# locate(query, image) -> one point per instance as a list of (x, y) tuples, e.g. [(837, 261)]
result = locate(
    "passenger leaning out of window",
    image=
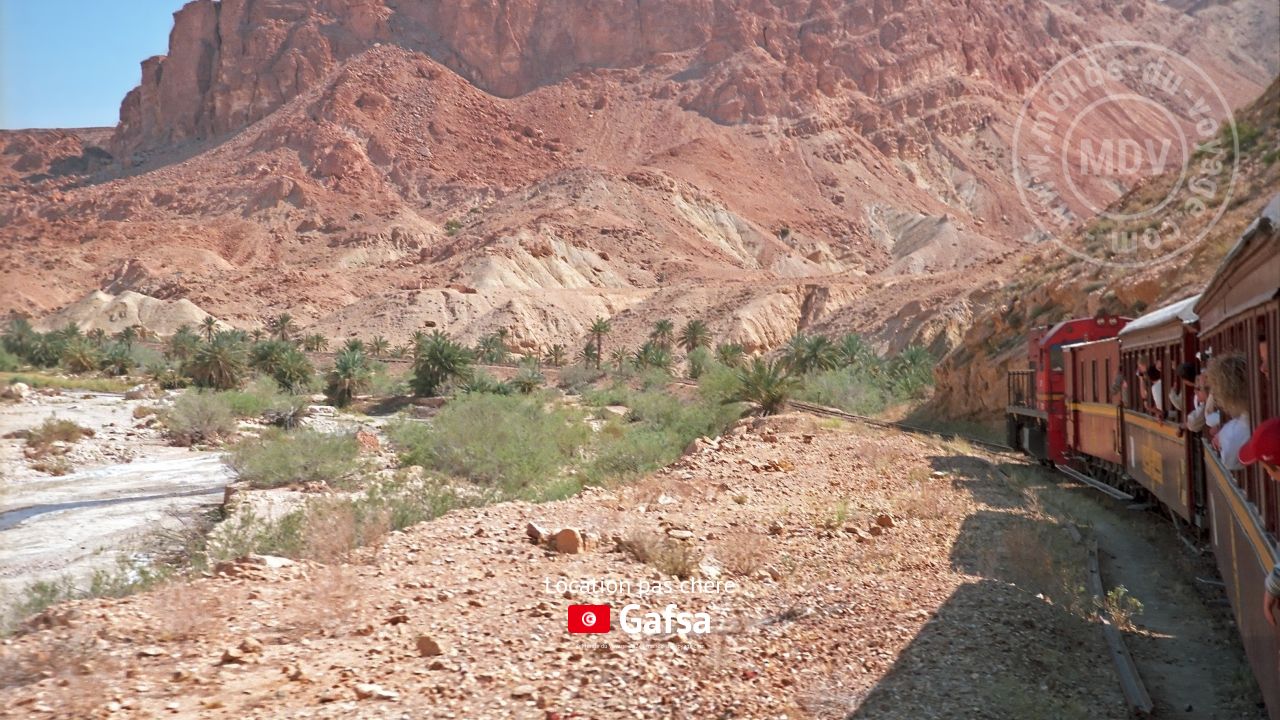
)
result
[(1229, 381)]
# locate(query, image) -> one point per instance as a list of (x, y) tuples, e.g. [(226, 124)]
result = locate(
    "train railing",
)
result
[(1022, 388)]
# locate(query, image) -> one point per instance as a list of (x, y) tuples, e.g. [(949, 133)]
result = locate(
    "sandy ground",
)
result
[(126, 484)]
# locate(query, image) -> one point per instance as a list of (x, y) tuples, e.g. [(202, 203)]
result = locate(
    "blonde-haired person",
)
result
[(1228, 377)]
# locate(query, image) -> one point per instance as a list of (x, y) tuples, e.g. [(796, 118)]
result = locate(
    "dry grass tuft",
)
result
[(41, 438), (183, 612), (744, 553), (75, 664)]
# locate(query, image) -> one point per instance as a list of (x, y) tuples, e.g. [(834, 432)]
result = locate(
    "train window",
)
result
[(1106, 376), (1093, 374), (1055, 358)]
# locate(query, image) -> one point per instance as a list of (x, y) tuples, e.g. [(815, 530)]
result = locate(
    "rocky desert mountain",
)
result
[(376, 167)]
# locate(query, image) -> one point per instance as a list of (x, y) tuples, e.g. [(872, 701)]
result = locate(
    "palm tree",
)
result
[(379, 346), (653, 355), (19, 337), (267, 356), (853, 351), (118, 359), (805, 354), (70, 331), (555, 356), (766, 383), (220, 364), (664, 333), (438, 361), (294, 371), (349, 377), (492, 349), (315, 342), (46, 349), (618, 358), (353, 345), (127, 336), (695, 334), (282, 327), (98, 336), (80, 356), (589, 355), (209, 326), (730, 354), (599, 328), (528, 380), (183, 344), (258, 334)]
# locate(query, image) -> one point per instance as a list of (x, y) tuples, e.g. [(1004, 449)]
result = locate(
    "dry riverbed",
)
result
[(124, 484)]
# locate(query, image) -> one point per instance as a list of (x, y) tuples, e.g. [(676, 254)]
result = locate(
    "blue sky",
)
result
[(68, 63)]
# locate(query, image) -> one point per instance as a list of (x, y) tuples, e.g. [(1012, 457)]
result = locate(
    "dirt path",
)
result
[(1184, 645)]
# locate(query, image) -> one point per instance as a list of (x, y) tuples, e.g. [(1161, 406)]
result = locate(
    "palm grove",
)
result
[(845, 372)]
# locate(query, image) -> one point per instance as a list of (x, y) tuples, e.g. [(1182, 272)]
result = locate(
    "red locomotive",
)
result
[(1105, 400)]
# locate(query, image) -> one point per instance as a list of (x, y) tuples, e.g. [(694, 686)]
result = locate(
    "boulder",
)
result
[(16, 391), (568, 541)]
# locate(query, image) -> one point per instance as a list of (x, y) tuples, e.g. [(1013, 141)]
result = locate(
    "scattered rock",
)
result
[(368, 441), (885, 520), (429, 646), (523, 691), (140, 392), (232, 656), (370, 691), (568, 541), (536, 533), (16, 391)]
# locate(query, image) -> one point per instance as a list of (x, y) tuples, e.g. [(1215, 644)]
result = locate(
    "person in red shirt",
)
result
[(1264, 447)]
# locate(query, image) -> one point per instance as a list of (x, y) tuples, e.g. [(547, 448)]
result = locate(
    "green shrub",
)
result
[(655, 433), (718, 384), (259, 399), (697, 362), (278, 458), (577, 378), (848, 389), (200, 417), (510, 444), (8, 361)]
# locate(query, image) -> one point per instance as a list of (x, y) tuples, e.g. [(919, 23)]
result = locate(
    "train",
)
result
[(1080, 407)]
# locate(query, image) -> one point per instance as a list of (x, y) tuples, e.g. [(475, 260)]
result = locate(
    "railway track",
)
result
[(905, 427), (1135, 691)]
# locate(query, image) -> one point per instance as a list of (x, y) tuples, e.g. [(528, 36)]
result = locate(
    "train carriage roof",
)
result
[(1161, 326), (1248, 276)]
